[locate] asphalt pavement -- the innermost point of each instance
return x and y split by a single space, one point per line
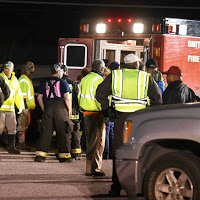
22 178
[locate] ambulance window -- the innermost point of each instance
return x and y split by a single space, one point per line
76 55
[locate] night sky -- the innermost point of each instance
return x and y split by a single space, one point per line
30 31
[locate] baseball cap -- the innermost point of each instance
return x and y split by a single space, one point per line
114 65
174 70
151 63
9 64
131 58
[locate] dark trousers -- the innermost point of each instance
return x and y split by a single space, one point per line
118 141
76 137
55 116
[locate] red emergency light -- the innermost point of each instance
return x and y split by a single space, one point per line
84 28
129 20
119 20
109 20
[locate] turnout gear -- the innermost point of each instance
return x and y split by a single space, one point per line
55 116
74 117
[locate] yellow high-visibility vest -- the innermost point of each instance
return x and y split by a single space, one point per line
26 86
16 97
87 91
129 89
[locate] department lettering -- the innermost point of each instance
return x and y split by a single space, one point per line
194 44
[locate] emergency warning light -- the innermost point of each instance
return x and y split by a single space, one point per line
109 20
156 28
171 28
119 20
129 20
183 29
84 28
101 28
138 28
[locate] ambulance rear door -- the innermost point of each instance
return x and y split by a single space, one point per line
76 54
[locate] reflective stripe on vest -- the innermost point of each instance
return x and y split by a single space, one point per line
129 89
28 92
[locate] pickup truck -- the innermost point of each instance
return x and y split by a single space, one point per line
160 157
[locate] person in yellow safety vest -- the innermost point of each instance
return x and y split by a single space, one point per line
130 89
74 117
24 118
93 119
7 110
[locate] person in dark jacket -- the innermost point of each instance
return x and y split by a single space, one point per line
4 94
130 92
4 91
176 91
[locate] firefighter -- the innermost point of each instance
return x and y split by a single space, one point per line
130 89
26 86
93 119
7 110
75 143
54 100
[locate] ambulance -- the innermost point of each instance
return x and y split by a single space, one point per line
171 41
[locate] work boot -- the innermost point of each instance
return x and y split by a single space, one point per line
39 159
12 149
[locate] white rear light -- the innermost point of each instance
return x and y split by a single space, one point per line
101 28
138 28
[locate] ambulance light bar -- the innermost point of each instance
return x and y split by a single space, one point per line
101 28
182 29
138 28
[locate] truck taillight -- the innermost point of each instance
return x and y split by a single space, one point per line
84 28
138 28
156 28
171 28
101 28
127 130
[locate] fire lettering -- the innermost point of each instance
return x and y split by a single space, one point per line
193 58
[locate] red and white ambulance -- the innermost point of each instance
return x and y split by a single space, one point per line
170 41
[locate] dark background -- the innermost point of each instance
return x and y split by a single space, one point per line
30 29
